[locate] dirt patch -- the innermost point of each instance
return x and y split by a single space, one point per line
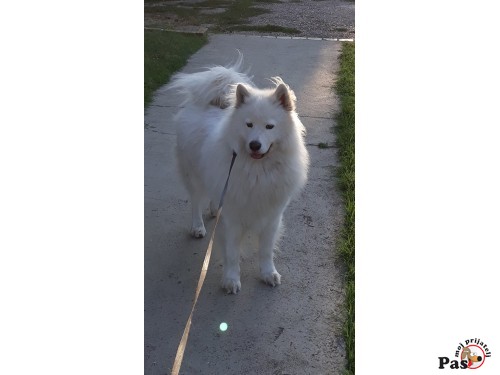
319 19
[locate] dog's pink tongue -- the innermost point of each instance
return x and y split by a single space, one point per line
256 155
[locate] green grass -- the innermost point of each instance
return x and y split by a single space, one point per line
164 53
169 8
264 29
238 13
212 4
345 173
234 18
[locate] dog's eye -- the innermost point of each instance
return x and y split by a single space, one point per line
249 124
269 126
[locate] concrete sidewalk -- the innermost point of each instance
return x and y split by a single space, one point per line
294 328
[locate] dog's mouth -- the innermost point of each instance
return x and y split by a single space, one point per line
257 155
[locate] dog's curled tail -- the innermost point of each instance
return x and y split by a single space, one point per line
213 86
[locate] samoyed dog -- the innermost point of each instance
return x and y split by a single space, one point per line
223 112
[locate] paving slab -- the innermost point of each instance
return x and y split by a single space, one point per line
294 328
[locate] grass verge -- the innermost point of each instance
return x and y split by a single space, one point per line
164 53
170 15
238 13
344 130
265 29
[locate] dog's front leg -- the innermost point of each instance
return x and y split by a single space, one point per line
230 239
267 241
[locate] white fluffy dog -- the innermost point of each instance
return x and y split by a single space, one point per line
223 112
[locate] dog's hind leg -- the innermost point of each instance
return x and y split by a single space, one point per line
198 227
213 209
229 237
198 199
267 241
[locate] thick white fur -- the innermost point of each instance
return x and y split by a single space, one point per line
211 125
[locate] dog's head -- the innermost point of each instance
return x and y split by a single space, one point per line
466 353
264 119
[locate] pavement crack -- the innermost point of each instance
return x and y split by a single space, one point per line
160 132
316 117
166 106
280 331
321 145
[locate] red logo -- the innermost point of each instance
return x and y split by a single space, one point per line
469 356
474 355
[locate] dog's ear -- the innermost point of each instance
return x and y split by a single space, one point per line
284 97
465 352
242 95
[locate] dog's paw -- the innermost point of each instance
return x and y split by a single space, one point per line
271 278
198 232
230 285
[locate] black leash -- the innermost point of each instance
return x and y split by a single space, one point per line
227 181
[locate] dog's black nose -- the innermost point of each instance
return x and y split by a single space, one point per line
479 358
255 145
